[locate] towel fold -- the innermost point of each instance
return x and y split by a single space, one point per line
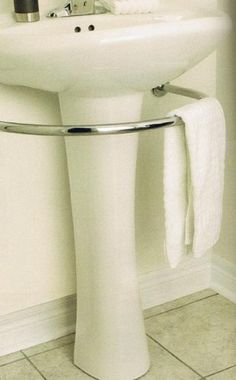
194 157
130 6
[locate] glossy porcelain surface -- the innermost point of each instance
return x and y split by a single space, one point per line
106 55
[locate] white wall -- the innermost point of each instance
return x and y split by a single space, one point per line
36 245
226 92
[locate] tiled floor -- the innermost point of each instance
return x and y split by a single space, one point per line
189 339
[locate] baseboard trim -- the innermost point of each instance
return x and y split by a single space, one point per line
54 319
223 277
168 284
37 324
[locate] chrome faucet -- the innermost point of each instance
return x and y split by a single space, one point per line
77 8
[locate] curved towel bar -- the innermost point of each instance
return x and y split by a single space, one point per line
106 129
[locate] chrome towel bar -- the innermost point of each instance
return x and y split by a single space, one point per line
106 129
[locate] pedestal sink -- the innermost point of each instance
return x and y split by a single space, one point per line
100 66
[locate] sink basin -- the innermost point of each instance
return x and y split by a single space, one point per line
104 55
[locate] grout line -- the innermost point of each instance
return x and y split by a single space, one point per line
181 306
176 357
50 349
33 365
220 371
14 361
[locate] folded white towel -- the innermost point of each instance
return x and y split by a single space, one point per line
194 157
130 6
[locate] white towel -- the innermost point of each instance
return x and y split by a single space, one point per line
130 6
194 157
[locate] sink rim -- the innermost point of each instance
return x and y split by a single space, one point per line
53 27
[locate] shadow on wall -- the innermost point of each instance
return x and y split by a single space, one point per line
232 12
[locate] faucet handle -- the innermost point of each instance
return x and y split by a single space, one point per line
62 12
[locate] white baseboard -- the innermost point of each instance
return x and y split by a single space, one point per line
168 284
54 319
37 324
223 277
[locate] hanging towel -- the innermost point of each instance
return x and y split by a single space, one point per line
130 6
194 156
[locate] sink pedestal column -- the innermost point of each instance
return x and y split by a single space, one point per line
110 336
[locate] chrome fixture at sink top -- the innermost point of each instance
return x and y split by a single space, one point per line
77 8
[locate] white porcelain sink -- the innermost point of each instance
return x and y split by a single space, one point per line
100 66
122 54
